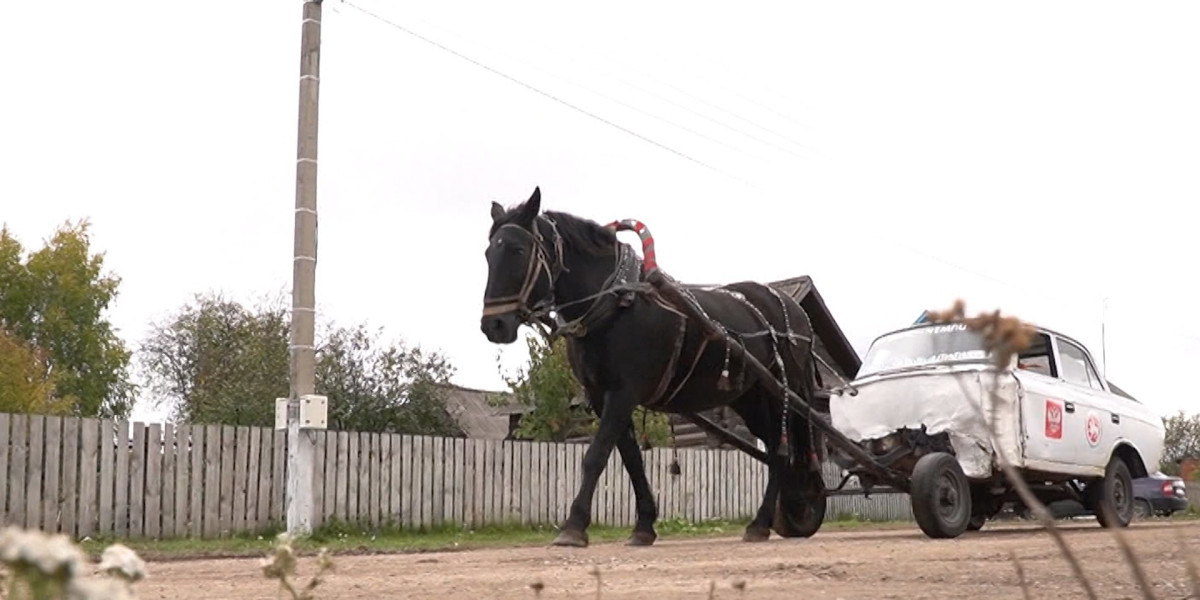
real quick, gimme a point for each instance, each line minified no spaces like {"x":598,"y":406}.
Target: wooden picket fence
{"x":89,"y":477}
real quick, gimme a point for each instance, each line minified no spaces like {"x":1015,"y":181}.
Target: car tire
{"x":1112,"y":497}
{"x":941,"y":496}
{"x":1142,"y":510}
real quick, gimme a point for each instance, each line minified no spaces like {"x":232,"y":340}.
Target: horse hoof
{"x":574,"y":539}
{"x":642,"y":538}
{"x":754,"y":534}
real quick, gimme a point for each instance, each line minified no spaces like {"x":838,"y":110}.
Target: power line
{"x":540,"y":91}
{"x":736,"y":92}
{"x":696,"y":112}
{"x":628,"y":67}
{"x":644,"y":138}
{"x":653,"y":93}
{"x":611,"y":72}
{"x":610,"y":123}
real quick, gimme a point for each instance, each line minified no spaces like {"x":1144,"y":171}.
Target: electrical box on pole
{"x":311,"y":410}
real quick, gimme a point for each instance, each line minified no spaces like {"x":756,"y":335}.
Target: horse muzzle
{"x":499,"y":329}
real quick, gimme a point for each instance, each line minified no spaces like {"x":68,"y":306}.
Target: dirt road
{"x":860,"y":564}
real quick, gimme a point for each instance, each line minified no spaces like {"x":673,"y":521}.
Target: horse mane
{"x":581,"y":235}
{"x":584,"y":235}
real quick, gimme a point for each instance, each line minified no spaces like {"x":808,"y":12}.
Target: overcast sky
{"x":1036,"y":157}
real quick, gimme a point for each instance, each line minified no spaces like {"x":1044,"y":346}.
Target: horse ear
{"x":497,"y":211}
{"x":530,"y":208}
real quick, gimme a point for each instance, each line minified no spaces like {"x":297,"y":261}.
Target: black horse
{"x":628,"y":346}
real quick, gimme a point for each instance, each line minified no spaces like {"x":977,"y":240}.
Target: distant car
{"x":1159,"y":495}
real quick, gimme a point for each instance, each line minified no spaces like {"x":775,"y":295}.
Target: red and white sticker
{"x":1092,"y":429}
{"x":1054,"y":419}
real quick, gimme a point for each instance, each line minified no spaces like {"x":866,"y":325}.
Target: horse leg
{"x":647,"y":510}
{"x":615,"y":421}
{"x":754,"y":409}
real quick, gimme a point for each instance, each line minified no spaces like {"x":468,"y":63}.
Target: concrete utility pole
{"x":303,"y":410}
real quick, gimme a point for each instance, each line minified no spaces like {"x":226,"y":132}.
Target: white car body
{"x":1051,"y":414}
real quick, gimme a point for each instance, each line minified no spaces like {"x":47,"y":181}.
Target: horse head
{"x":521,"y":275}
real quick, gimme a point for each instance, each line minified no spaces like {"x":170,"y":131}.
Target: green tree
{"x":26,"y":381}
{"x":53,"y":301}
{"x":217,"y":361}
{"x":374,"y":386}
{"x":1182,"y":440}
{"x":548,"y":389}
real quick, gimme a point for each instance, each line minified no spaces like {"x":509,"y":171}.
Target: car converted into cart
{"x":930,"y":414}
{"x":929,"y":406}
{"x":948,"y":412}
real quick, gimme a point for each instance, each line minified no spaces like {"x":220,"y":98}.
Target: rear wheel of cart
{"x":800,"y":503}
{"x":941,"y":496}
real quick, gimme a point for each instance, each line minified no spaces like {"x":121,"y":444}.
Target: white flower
{"x":99,"y":588}
{"x":119,"y":560}
{"x":12,"y":540}
{"x":53,"y":556}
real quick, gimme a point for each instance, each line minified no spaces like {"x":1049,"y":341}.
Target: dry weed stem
{"x":281,"y":565}
{"x":1190,"y":562}
{"x":1139,"y":574}
{"x":1025,"y":592}
{"x":1004,"y":337}
{"x":599,"y":584}
{"x":740,"y":586}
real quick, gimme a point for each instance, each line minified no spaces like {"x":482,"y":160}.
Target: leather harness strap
{"x":519,"y":302}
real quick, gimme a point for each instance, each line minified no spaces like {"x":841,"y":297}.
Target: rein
{"x":623,"y":281}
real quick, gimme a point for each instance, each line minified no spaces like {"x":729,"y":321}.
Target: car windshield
{"x":922,"y":346}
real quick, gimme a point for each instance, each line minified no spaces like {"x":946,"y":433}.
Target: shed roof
{"x":474,"y":414}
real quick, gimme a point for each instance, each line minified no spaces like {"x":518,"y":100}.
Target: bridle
{"x":537,"y":265}
{"x":623,"y":280}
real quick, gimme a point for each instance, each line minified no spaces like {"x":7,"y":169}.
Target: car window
{"x":1075,"y":366}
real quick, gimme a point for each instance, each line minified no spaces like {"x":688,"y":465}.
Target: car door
{"x":1047,"y":413}
{"x":1097,"y":422}
{"x":1047,"y":410}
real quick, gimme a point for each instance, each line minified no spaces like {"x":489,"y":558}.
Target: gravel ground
{"x":845,"y":564}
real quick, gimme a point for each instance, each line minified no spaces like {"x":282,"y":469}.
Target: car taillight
{"x":1168,"y":487}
